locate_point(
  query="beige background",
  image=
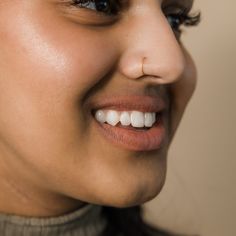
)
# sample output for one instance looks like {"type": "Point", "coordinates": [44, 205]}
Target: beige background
{"type": "Point", "coordinates": [200, 193]}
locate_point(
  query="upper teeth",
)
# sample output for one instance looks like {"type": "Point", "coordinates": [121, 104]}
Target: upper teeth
{"type": "Point", "coordinates": [135, 118]}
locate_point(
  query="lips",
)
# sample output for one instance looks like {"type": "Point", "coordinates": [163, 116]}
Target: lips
{"type": "Point", "coordinates": [129, 138]}
{"type": "Point", "coordinates": [140, 103]}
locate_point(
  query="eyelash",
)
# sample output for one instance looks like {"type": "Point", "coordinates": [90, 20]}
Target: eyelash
{"type": "Point", "coordinates": [113, 7]}
{"type": "Point", "coordinates": [176, 20]}
{"type": "Point", "coordinates": [107, 7]}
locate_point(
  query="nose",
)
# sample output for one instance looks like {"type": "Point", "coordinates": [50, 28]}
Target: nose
{"type": "Point", "coordinates": [151, 50]}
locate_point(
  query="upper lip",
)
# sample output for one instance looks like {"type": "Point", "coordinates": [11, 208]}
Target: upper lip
{"type": "Point", "coordinates": [128, 103]}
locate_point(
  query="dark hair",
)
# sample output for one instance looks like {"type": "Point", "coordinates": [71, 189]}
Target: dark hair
{"type": "Point", "coordinates": [129, 222]}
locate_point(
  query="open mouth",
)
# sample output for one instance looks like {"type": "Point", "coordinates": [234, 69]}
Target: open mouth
{"type": "Point", "coordinates": [132, 120]}
{"type": "Point", "coordinates": [134, 123]}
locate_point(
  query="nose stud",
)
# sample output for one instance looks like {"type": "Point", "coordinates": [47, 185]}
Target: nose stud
{"type": "Point", "coordinates": [142, 66]}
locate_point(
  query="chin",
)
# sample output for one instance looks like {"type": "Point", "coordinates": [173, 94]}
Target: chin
{"type": "Point", "coordinates": [134, 198]}
{"type": "Point", "coordinates": [118, 179]}
{"type": "Point", "coordinates": [132, 193]}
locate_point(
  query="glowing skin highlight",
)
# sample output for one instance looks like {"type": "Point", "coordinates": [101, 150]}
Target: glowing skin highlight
{"type": "Point", "coordinates": [56, 63]}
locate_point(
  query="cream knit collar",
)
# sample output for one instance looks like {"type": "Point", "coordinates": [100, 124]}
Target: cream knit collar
{"type": "Point", "coordinates": [86, 221]}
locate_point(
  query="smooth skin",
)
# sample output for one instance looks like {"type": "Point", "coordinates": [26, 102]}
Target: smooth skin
{"type": "Point", "coordinates": [55, 60]}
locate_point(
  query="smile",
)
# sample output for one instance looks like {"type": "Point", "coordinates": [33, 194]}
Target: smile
{"type": "Point", "coordinates": [136, 119]}
{"type": "Point", "coordinates": [132, 123]}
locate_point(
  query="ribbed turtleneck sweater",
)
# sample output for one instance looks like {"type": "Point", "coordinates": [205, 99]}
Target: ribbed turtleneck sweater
{"type": "Point", "coordinates": [86, 221]}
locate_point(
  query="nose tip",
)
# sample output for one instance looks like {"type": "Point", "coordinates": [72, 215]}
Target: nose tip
{"type": "Point", "coordinates": [132, 66]}
{"type": "Point", "coordinates": [155, 53]}
{"type": "Point", "coordinates": [165, 66]}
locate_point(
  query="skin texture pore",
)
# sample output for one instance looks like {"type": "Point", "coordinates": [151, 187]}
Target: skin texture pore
{"type": "Point", "coordinates": [55, 61]}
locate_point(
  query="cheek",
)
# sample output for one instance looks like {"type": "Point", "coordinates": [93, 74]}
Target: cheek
{"type": "Point", "coordinates": [51, 65]}
{"type": "Point", "coordinates": [183, 89]}
{"type": "Point", "coordinates": [181, 92]}
{"type": "Point", "coordinates": [45, 55]}
{"type": "Point", "coordinates": [45, 70]}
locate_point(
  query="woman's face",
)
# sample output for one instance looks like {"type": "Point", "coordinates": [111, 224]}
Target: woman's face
{"type": "Point", "coordinates": [61, 66]}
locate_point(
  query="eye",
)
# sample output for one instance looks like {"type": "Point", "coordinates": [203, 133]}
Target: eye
{"type": "Point", "coordinates": [108, 7]}
{"type": "Point", "coordinates": [180, 16]}
{"type": "Point", "coordinates": [175, 21]}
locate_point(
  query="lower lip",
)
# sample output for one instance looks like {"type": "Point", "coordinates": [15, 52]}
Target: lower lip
{"type": "Point", "coordinates": [140, 140]}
